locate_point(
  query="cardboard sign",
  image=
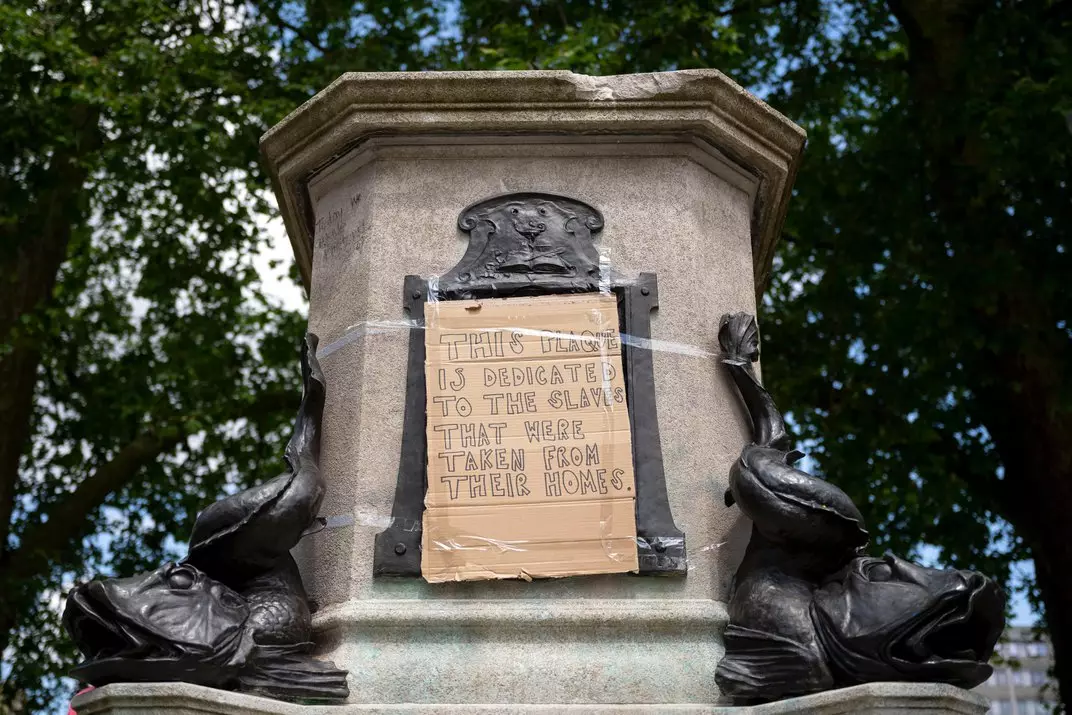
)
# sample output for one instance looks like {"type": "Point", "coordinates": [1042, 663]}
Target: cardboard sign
{"type": "Point", "coordinates": [530, 466]}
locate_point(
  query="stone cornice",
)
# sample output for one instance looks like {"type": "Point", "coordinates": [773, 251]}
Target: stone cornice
{"type": "Point", "coordinates": [704, 104]}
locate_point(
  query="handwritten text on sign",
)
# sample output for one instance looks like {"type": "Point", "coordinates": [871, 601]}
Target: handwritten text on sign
{"type": "Point", "coordinates": [529, 459]}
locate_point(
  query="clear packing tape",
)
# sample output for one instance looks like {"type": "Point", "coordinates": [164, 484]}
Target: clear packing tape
{"type": "Point", "coordinates": [368, 519]}
{"type": "Point", "coordinates": [514, 384]}
{"type": "Point", "coordinates": [357, 331]}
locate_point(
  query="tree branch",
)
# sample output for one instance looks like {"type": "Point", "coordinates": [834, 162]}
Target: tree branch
{"type": "Point", "coordinates": [45, 540]}
{"type": "Point", "coordinates": [282, 24]}
{"type": "Point", "coordinates": [936, 37]}
{"type": "Point", "coordinates": [65, 520]}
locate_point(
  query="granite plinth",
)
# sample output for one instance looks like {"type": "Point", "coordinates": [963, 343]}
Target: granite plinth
{"type": "Point", "coordinates": [691, 175]}
{"type": "Point", "coordinates": [871, 699]}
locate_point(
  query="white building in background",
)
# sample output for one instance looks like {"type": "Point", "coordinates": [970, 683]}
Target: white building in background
{"type": "Point", "coordinates": [1021, 674]}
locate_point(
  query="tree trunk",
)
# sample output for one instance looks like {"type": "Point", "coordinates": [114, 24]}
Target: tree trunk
{"type": "Point", "coordinates": [40, 241]}
{"type": "Point", "coordinates": [1054, 580]}
{"type": "Point", "coordinates": [1020, 381]}
{"type": "Point", "coordinates": [38, 244]}
{"type": "Point", "coordinates": [1033, 435]}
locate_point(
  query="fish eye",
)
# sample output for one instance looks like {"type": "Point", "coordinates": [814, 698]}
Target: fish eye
{"type": "Point", "coordinates": [513, 211]}
{"type": "Point", "coordinates": [180, 579]}
{"type": "Point", "coordinates": [879, 571]}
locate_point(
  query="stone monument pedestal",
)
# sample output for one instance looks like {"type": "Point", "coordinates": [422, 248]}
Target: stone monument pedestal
{"type": "Point", "coordinates": [871, 699]}
{"type": "Point", "coordinates": [666, 191]}
{"type": "Point", "coordinates": [691, 175]}
{"type": "Point", "coordinates": [687, 177]}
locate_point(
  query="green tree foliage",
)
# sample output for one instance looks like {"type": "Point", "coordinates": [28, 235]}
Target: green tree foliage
{"type": "Point", "coordinates": [920, 324]}
{"type": "Point", "coordinates": [141, 373]}
{"type": "Point", "coordinates": [916, 323]}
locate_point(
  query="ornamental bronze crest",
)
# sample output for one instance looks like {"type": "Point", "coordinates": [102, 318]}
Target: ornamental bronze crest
{"type": "Point", "coordinates": [527, 241]}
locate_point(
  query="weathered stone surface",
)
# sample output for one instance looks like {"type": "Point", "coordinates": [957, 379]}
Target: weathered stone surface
{"type": "Point", "coordinates": [379, 167]}
{"type": "Point", "coordinates": [873, 699]}
{"type": "Point", "coordinates": [528, 650]}
{"type": "Point", "coordinates": [701, 103]}
{"type": "Point", "coordinates": [882, 699]}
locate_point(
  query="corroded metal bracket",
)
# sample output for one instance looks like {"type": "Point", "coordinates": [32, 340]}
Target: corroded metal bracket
{"type": "Point", "coordinates": [536, 244]}
{"type": "Point", "coordinates": [660, 544]}
{"type": "Point", "coordinates": [398, 547]}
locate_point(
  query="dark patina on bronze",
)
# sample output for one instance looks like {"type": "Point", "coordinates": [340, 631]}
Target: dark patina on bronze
{"type": "Point", "coordinates": [234, 614]}
{"type": "Point", "coordinates": [808, 610]}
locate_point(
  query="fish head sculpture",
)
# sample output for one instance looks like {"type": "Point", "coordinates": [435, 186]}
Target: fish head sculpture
{"type": "Point", "coordinates": [234, 614]}
{"type": "Point", "coordinates": [173, 623]}
{"type": "Point", "coordinates": [891, 619]}
{"type": "Point", "coordinates": [807, 610]}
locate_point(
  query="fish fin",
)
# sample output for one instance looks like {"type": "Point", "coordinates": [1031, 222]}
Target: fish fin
{"type": "Point", "coordinates": [221, 524]}
{"type": "Point", "coordinates": [290, 673]}
{"type": "Point", "coordinates": [730, 501]}
{"type": "Point", "coordinates": [761, 666]}
{"type": "Point", "coordinates": [304, 441]}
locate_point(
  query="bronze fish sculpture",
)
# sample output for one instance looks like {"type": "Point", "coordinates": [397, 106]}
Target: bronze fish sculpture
{"type": "Point", "coordinates": [808, 610]}
{"type": "Point", "coordinates": [233, 614]}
